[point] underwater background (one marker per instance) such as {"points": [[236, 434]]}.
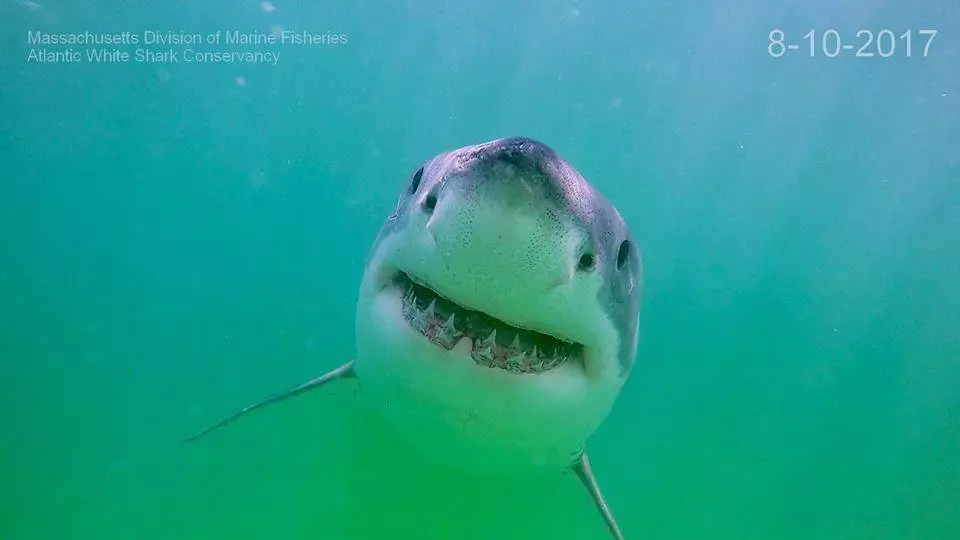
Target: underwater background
{"points": [[179, 240]]}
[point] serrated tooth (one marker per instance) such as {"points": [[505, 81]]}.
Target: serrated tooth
{"points": [[516, 359], [490, 340], [448, 326], [446, 334], [431, 308], [419, 320], [409, 303], [516, 342], [483, 355]]}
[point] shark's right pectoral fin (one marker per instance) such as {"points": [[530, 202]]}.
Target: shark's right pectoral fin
{"points": [[585, 474], [343, 372]]}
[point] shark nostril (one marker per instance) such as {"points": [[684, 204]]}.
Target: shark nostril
{"points": [[586, 263], [429, 203]]}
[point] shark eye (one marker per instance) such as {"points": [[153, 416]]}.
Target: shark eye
{"points": [[623, 254], [430, 202], [586, 263], [415, 183]]}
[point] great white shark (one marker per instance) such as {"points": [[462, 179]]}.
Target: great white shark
{"points": [[498, 315]]}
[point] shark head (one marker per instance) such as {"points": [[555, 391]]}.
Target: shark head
{"points": [[498, 314]]}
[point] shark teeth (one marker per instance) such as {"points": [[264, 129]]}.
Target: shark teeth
{"points": [[482, 355], [445, 323], [490, 340], [518, 362], [447, 336], [419, 321]]}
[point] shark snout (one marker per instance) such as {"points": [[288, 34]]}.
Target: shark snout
{"points": [[519, 172], [508, 204]]}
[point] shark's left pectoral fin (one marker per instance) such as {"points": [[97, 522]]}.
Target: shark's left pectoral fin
{"points": [[582, 468], [343, 372]]}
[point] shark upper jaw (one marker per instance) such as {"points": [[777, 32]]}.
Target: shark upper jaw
{"points": [[490, 341]]}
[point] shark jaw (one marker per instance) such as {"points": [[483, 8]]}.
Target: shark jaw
{"points": [[493, 343], [479, 394]]}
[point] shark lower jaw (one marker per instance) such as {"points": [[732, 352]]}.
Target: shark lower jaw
{"points": [[493, 343]]}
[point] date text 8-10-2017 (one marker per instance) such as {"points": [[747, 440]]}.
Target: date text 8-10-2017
{"points": [[864, 44]]}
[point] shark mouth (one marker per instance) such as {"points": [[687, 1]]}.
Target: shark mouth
{"points": [[495, 344]]}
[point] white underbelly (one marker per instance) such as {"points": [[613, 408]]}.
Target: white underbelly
{"points": [[469, 416]]}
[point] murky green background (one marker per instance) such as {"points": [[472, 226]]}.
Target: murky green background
{"points": [[178, 240]]}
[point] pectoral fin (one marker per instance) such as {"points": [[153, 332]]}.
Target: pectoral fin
{"points": [[343, 372], [585, 474]]}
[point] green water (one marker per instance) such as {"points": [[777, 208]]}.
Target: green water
{"points": [[177, 240]]}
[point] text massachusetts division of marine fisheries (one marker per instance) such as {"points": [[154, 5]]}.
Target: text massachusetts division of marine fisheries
{"points": [[168, 47]]}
